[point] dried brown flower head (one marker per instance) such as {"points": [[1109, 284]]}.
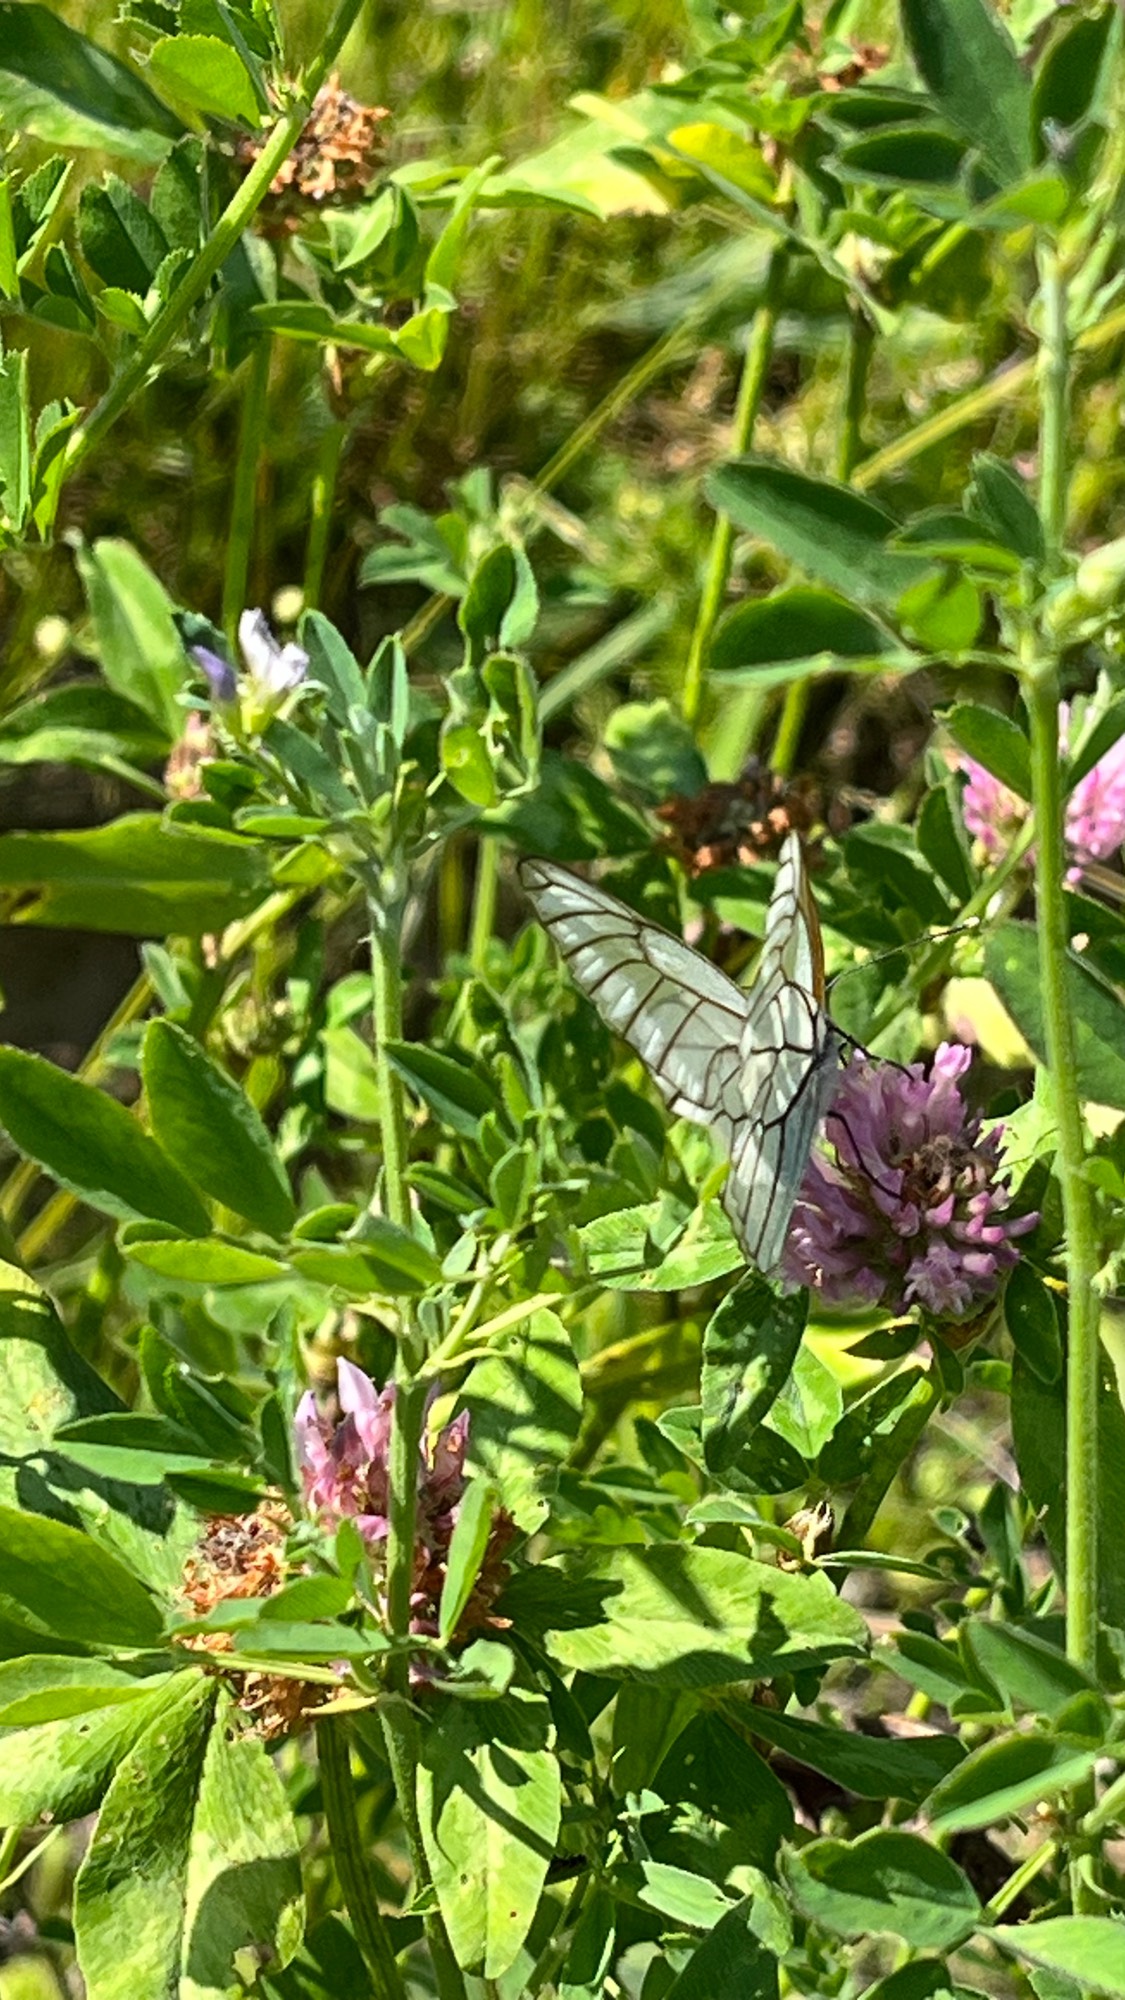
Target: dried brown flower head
{"points": [[240, 1556], [196, 747], [335, 161], [727, 825]]}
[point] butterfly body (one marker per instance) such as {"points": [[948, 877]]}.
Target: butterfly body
{"points": [[758, 1067]]}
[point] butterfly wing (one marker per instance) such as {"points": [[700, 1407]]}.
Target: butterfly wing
{"points": [[757, 1068], [684, 1017], [790, 1059]]}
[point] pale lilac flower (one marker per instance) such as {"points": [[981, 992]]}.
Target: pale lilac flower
{"points": [[218, 672], [344, 1463], [1095, 810], [912, 1210], [274, 670]]}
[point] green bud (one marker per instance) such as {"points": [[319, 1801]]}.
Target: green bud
{"points": [[1101, 575]]}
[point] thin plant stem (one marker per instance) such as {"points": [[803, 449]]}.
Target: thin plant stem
{"points": [[400, 1730], [1083, 1356], [1032, 1865], [755, 367], [236, 217], [350, 1860], [485, 887], [251, 436], [861, 347], [322, 501], [1041, 692]]}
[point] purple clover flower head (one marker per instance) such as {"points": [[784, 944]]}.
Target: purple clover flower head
{"points": [[344, 1463], [217, 672], [274, 670], [1095, 810], [912, 1212]]}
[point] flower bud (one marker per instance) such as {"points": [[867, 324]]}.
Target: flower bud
{"points": [[1101, 575]]}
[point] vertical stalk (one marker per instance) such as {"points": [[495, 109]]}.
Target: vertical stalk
{"points": [[322, 500], [400, 1731], [485, 886], [755, 366], [251, 436], [1041, 693], [861, 346], [351, 1861]]}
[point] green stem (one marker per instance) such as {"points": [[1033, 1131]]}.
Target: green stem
{"points": [[861, 347], [1054, 367], [322, 501], [400, 1732], [236, 217], [1032, 1865], [1083, 1354], [251, 434], [755, 366], [485, 886], [351, 1861]]}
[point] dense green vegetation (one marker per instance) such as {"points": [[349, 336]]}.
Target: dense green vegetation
{"points": [[678, 444]]}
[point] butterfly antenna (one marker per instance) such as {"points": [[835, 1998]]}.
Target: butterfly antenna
{"points": [[923, 937], [860, 1161], [862, 1050]]}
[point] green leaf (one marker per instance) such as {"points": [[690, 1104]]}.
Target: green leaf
{"points": [[904, 156], [130, 1891], [59, 1770], [43, 1382], [1031, 1319], [139, 647], [206, 73], [731, 1960], [590, 1955], [489, 1799], [59, 87], [993, 740], [1069, 76], [887, 855], [570, 816], [84, 725], [965, 57], [15, 439], [884, 1881], [659, 1247], [652, 749], [121, 241], [1011, 962], [48, 1687], [749, 1348], [212, 1131], [384, 1258], [1007, 1778], [872, 1767], [204, 1261], [92, 1145], [798, 626], [829, 531], [334, 665], [687, 1617], [525, 1405], [467, 1546], [1029, 1673], [712, 1768], [76, 1588], [136, 876], [1090, 1950], [243, 1894], [456, 1093], [999, 497]]}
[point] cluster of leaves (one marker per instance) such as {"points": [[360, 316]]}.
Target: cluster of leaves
{"points": [[676, 1763]]}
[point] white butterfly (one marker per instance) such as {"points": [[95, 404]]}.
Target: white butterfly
{"points": [[759, 1067]]}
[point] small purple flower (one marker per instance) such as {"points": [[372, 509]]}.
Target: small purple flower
{"points": [[912, 1210], [274, 670], [217, 671], [1095, 810], [345, 1472]]}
